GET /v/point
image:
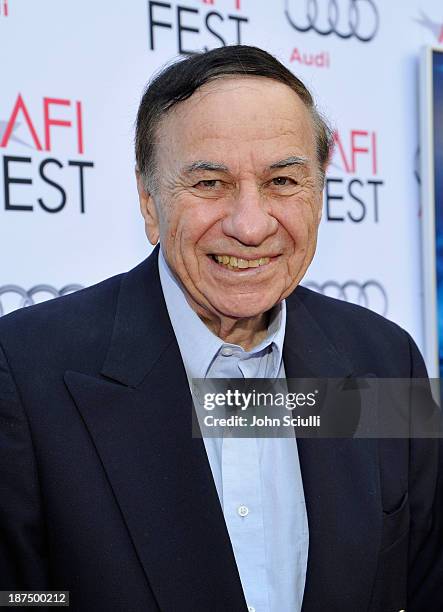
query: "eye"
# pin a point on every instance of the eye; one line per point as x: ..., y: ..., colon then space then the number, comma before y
x: 283, y: 181
x: 208, y: 184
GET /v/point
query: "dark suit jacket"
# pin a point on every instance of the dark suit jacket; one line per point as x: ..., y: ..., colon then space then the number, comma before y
x: 104, y: 492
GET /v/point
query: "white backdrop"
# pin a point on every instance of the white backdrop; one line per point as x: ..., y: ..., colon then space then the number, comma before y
x: 74, y: 71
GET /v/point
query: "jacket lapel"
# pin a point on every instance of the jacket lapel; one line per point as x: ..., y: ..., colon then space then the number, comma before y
x: 341, y: 483
x: 139, y: 415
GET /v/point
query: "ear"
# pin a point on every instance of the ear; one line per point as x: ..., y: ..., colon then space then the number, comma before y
x: 148, y: 210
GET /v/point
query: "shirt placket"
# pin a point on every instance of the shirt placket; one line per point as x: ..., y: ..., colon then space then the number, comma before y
x: 242, y: 499
x: 243, y: 512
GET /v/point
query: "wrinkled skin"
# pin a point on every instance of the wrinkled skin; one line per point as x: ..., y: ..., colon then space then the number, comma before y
x: 238, y: 205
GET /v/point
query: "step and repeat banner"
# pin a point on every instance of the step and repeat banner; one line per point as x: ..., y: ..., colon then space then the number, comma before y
x: 72, y: 76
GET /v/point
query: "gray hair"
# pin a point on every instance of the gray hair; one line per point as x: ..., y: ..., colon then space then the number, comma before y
x: 177, y: 82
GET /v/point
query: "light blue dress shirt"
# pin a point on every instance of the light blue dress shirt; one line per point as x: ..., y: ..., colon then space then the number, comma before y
x: 258, y: 480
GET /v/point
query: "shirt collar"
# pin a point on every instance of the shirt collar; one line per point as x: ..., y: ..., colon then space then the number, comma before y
x: 198, y: 345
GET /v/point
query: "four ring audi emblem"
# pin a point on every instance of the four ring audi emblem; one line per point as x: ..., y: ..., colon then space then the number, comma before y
x: 370, y: 294
x: 13, y: 296
x: 345, y: 18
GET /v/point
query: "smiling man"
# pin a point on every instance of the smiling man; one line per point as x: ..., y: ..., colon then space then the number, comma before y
x: 104, y: 491
x: 235, y: 198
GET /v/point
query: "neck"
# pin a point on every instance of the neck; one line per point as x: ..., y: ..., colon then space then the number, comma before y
x: 247, y: 333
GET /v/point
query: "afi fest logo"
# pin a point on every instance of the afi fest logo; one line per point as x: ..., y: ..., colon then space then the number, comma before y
x: 350, y: 19
x: 435, y: 27
x: 29, y: 137
x: 354, y: 197
x: 207, y: 25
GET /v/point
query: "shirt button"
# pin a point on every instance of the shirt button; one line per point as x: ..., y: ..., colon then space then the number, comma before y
x: 227, y: 351
x: 243, y: 510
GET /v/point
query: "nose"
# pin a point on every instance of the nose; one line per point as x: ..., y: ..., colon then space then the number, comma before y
x: 249, y: 221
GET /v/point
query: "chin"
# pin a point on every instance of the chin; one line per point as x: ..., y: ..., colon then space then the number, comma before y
x: 243, y: 310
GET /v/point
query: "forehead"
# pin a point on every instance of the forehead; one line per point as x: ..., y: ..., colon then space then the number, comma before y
x: 235, y: 114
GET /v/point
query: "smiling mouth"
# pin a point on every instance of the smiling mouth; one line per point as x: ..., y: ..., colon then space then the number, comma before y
x: 236, y: 263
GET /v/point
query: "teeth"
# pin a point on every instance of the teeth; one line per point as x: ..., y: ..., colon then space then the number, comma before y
x: 235, y: 263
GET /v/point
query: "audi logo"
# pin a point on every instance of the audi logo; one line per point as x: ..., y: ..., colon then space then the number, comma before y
x: 13, y: 296
x: 353, y: 18
x: 370, y: 294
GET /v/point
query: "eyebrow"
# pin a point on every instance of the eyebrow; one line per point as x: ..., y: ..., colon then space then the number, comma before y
x: 205, y: 165
x: 294, y: 160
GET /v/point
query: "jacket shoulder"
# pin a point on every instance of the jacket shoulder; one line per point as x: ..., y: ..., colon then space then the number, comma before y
x: 78, y: 318
x: 340, y: 310
x: 371, y: 340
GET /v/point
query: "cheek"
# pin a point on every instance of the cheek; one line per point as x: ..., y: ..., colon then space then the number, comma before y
x: 300, y: 222
x: 188, y: 226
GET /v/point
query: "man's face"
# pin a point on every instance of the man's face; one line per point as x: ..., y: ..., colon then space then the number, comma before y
x: 239, y: 197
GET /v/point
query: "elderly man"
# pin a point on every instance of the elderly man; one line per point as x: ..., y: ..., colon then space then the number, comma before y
x: 104, y: 491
